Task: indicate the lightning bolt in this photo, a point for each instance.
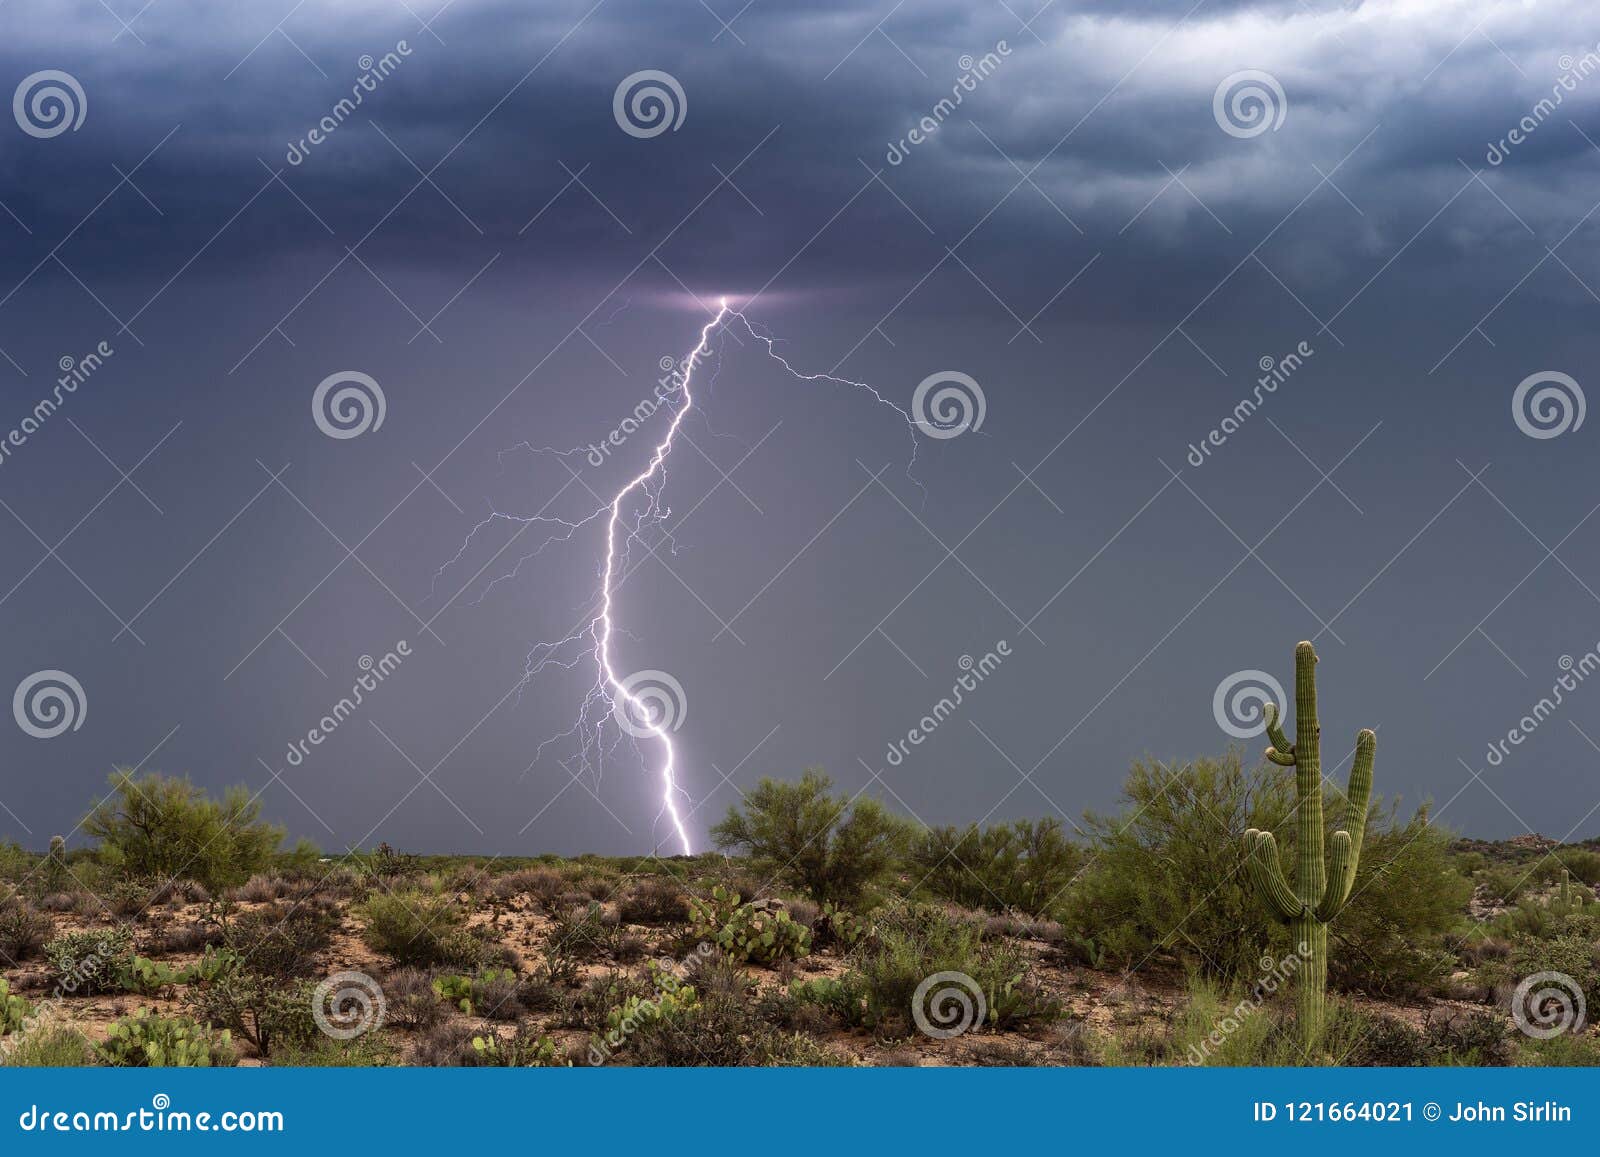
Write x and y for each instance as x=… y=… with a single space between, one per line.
x=626 y=515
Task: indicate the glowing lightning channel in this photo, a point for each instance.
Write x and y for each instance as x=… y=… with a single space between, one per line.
x=611 y=695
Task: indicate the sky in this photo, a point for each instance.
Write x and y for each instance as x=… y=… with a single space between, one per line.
x=1254 y=322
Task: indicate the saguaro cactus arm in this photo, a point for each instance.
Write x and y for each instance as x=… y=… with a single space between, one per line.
x=1266 y=872
x=1282 y=751
x=1344 y=857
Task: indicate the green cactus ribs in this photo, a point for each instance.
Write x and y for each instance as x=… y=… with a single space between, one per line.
x=1321 y=886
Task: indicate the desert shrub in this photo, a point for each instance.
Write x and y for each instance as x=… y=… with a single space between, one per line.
x=1024 y=865
x=916 y=942
x=148 y=1040
x=370 y=1050
x=157 y=826
x=1389 y=1042
x=265 y=1011
x=1564 y=1051
x=1167 y=877
x=261 y=889
x=1572 y=954
x=834 y=849
x=1582 y=863
x=584 y=931
x=419 y=928
x=589 y=1007
x=184 y=938
x=543 y=885
x=1389 y=938
x=444 y=1045
x=279 y=941
x=412 y=1001
x=23 y=931
x=655 y=900
x=48 y=1047
x=1473 y=1038
x=88 y=963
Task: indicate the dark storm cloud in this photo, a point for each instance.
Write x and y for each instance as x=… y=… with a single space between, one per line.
x=1115 y=304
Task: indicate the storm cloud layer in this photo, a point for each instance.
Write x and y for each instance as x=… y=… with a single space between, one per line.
x=1280 y=315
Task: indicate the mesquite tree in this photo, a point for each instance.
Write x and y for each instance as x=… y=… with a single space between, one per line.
x=1320 y=890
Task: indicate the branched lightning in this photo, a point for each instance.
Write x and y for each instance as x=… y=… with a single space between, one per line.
x=635 y=509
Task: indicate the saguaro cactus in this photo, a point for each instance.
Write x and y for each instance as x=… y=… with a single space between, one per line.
x=1320 y=890
x=56 y=871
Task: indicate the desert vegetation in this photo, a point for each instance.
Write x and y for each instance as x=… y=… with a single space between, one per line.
x=827 y=931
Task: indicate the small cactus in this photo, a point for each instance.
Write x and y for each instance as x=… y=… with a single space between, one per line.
x=1320 y=889
x=56 y=865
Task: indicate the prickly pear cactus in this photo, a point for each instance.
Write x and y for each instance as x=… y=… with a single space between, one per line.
x=1320 y=889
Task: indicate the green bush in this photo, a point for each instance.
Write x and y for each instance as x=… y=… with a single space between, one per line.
x=48 y=1047
x=89 y=963
x=912 y=945
x=279 y=940
x=799 y=832
x=23 y=931
x=419 y=928
x=1025 y=866
x=1166 y=877
x=166 y=828
x=268 y=1012
x=147 y=1040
